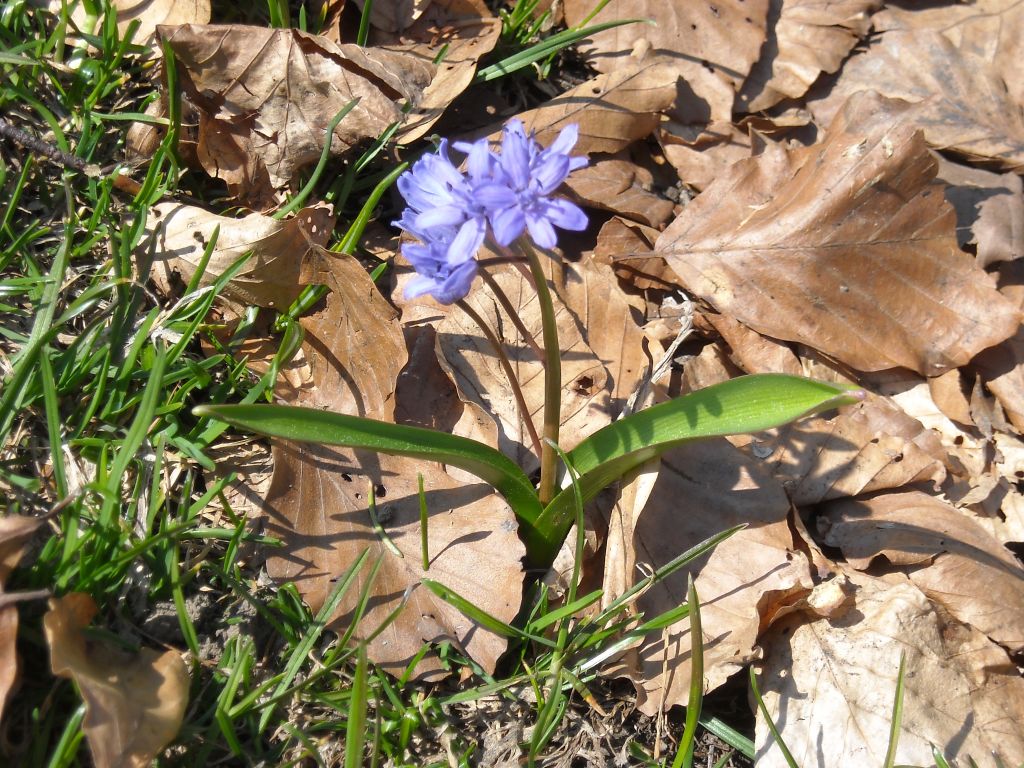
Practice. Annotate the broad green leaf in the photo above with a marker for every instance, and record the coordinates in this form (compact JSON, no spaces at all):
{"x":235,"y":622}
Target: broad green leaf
{"x":744,"y":404}
{"x":314,"y":426}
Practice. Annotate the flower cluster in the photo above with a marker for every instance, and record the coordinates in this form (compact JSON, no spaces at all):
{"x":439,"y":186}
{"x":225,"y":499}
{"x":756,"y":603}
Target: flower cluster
{"x":450,"y":212}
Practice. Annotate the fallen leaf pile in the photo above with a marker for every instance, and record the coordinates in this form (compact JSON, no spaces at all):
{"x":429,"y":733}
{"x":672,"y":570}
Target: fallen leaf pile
{"x":830,"y":190}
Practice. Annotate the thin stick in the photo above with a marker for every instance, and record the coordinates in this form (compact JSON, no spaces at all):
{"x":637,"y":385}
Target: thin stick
{"x":517,"y":321}
{"x":506,"y":365}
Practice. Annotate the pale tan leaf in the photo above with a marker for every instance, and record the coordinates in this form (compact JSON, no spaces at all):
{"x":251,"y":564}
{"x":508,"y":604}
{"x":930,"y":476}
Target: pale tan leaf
{"x":989,"y":210}
{"x":178,"y":235}
{"x":135,"y":702}
{"x":990,"y":29}
{"x":618,"y":185}
{"x":959,"y":565}
{"x":470,"y":360}
{"x":961,"y":103}
{"x":148,"y":13}
{"x":702,"y":489}
{"x":266,"y":96}
{"x":810,"y":37}
{"x":460,"y":32}
{"x":612,"y":110}
{"x":843,"y":247}
{"x":724,"y":36}
{"x":318,"y":505}
{"x":394,"y":15}
{"x":829,"y":685}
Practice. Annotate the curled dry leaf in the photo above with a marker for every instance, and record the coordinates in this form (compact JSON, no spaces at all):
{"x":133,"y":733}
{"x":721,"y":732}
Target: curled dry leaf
{"x":265,"y":98}
{"x":460,"y":32}
{"x":318,"y":501}
{"x":135,"y":702}
{"x":179,"y":234}
{"x":829,"y":684}
{"x":148,"y":13}
{"x":949,"y":556}
{"x":15,"y":531}
{"x":470,"y":360}
{"x":628,"y":247}
{"x":612,"y":110}
{"x":810,"y":37}
{"x":989,"y":210}
{"x":871,"y":446}
{"x":701,"y":152}
{"x":753,"y":352}
{"x":843,"y":247}
{"x":622,"y":187}
{"x":961,"y":103}
{"x":702,"y":489}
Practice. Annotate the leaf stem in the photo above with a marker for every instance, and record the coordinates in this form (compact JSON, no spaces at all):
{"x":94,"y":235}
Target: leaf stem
{"x":552,"y":373}
{"x":506,"y":365}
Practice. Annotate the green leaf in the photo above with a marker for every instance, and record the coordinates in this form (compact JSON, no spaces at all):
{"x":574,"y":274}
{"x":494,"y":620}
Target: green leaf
{"x":744,"y":404}
{"x":313,"y":426}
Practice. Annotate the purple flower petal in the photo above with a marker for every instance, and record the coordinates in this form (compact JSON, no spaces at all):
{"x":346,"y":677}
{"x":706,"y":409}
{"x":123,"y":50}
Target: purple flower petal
{"x":508,"y":224}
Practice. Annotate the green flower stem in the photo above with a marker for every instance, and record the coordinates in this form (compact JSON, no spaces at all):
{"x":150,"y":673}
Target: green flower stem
{"x":552,"y":373}
{"x":506,"y":366}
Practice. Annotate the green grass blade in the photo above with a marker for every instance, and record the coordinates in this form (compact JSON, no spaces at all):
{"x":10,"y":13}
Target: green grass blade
{"x":744,"y":404}
{"x":684,"y":757}
{"x":897,"y":714}
{"x":729,"y":735}
{"x":786,"y":754}
{"x":355,"y":729}
{"x":314,"y":426}
{"x":484,"y":619}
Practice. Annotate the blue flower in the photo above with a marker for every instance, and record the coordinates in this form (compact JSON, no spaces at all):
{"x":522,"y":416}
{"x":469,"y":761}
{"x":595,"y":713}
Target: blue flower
{"x":436,"y":274}
{"x":517,"y":194}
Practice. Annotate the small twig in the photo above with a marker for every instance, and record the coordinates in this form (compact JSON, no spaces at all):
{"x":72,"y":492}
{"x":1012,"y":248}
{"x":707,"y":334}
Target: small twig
{"x":11,"y":598}
{"x":506,"y":366}
{"x":65,"y":159}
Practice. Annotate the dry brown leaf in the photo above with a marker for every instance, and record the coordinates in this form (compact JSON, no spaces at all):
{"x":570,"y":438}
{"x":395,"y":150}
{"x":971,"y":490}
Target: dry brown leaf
{"x":989,"y":210}
{"x":829,"y":685}
{"x":753,"y":352}
{"x":961,"y":104}
{"x":843,"y":247}
{"x":135,"y":702}
{"x":15,"y":531}
{"x":869,"y":447}
{"x":461,"y":32}
{"x":266,"y":96}
{"x":629,"y":248}
{"x":622,"y":187}
{"x":178,"y":235}
{"x":810,"y":37}
{"x":469,"y":359}
{"x":318,"y":504}
{"x":702,"y":489}
{"x":960,"y":565}
{"x":612,"y":110}
{"x":947,"y":393}
{"x":702,"y":152}
{"x":318,"y":501}
{"x":724,"y":36}
{"x":990,"y":29}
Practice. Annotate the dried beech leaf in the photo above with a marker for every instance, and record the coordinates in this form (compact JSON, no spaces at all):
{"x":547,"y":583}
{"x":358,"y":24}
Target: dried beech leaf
{"x":628,"y":247}
{"x":179,"y":234}
{"x":961,"y":104}
{"x":701,"y":153}
{"x":461,"y":31}
{"x":990,"y":29}
{"x":149,"y":13}
{"x":622,"y":187}
{"x":15,"y":531}
{"x":753,"y":352}
{"x":470,"y":360}
{"x":989,"y":210}
{"x":266,"y":96}
{"x":135,"y":702}
{"x":810,"y":37}
{"x":724,"y":36}
{"x":869,"y":447}
{"x":318,"y":501}
{"x":962,"y":567}
{"x":810,"y":245}
{"x":829,"y":685}
{"x":702,"y":489}
{"x":318,"y":504}
{"x":612,"y":110}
